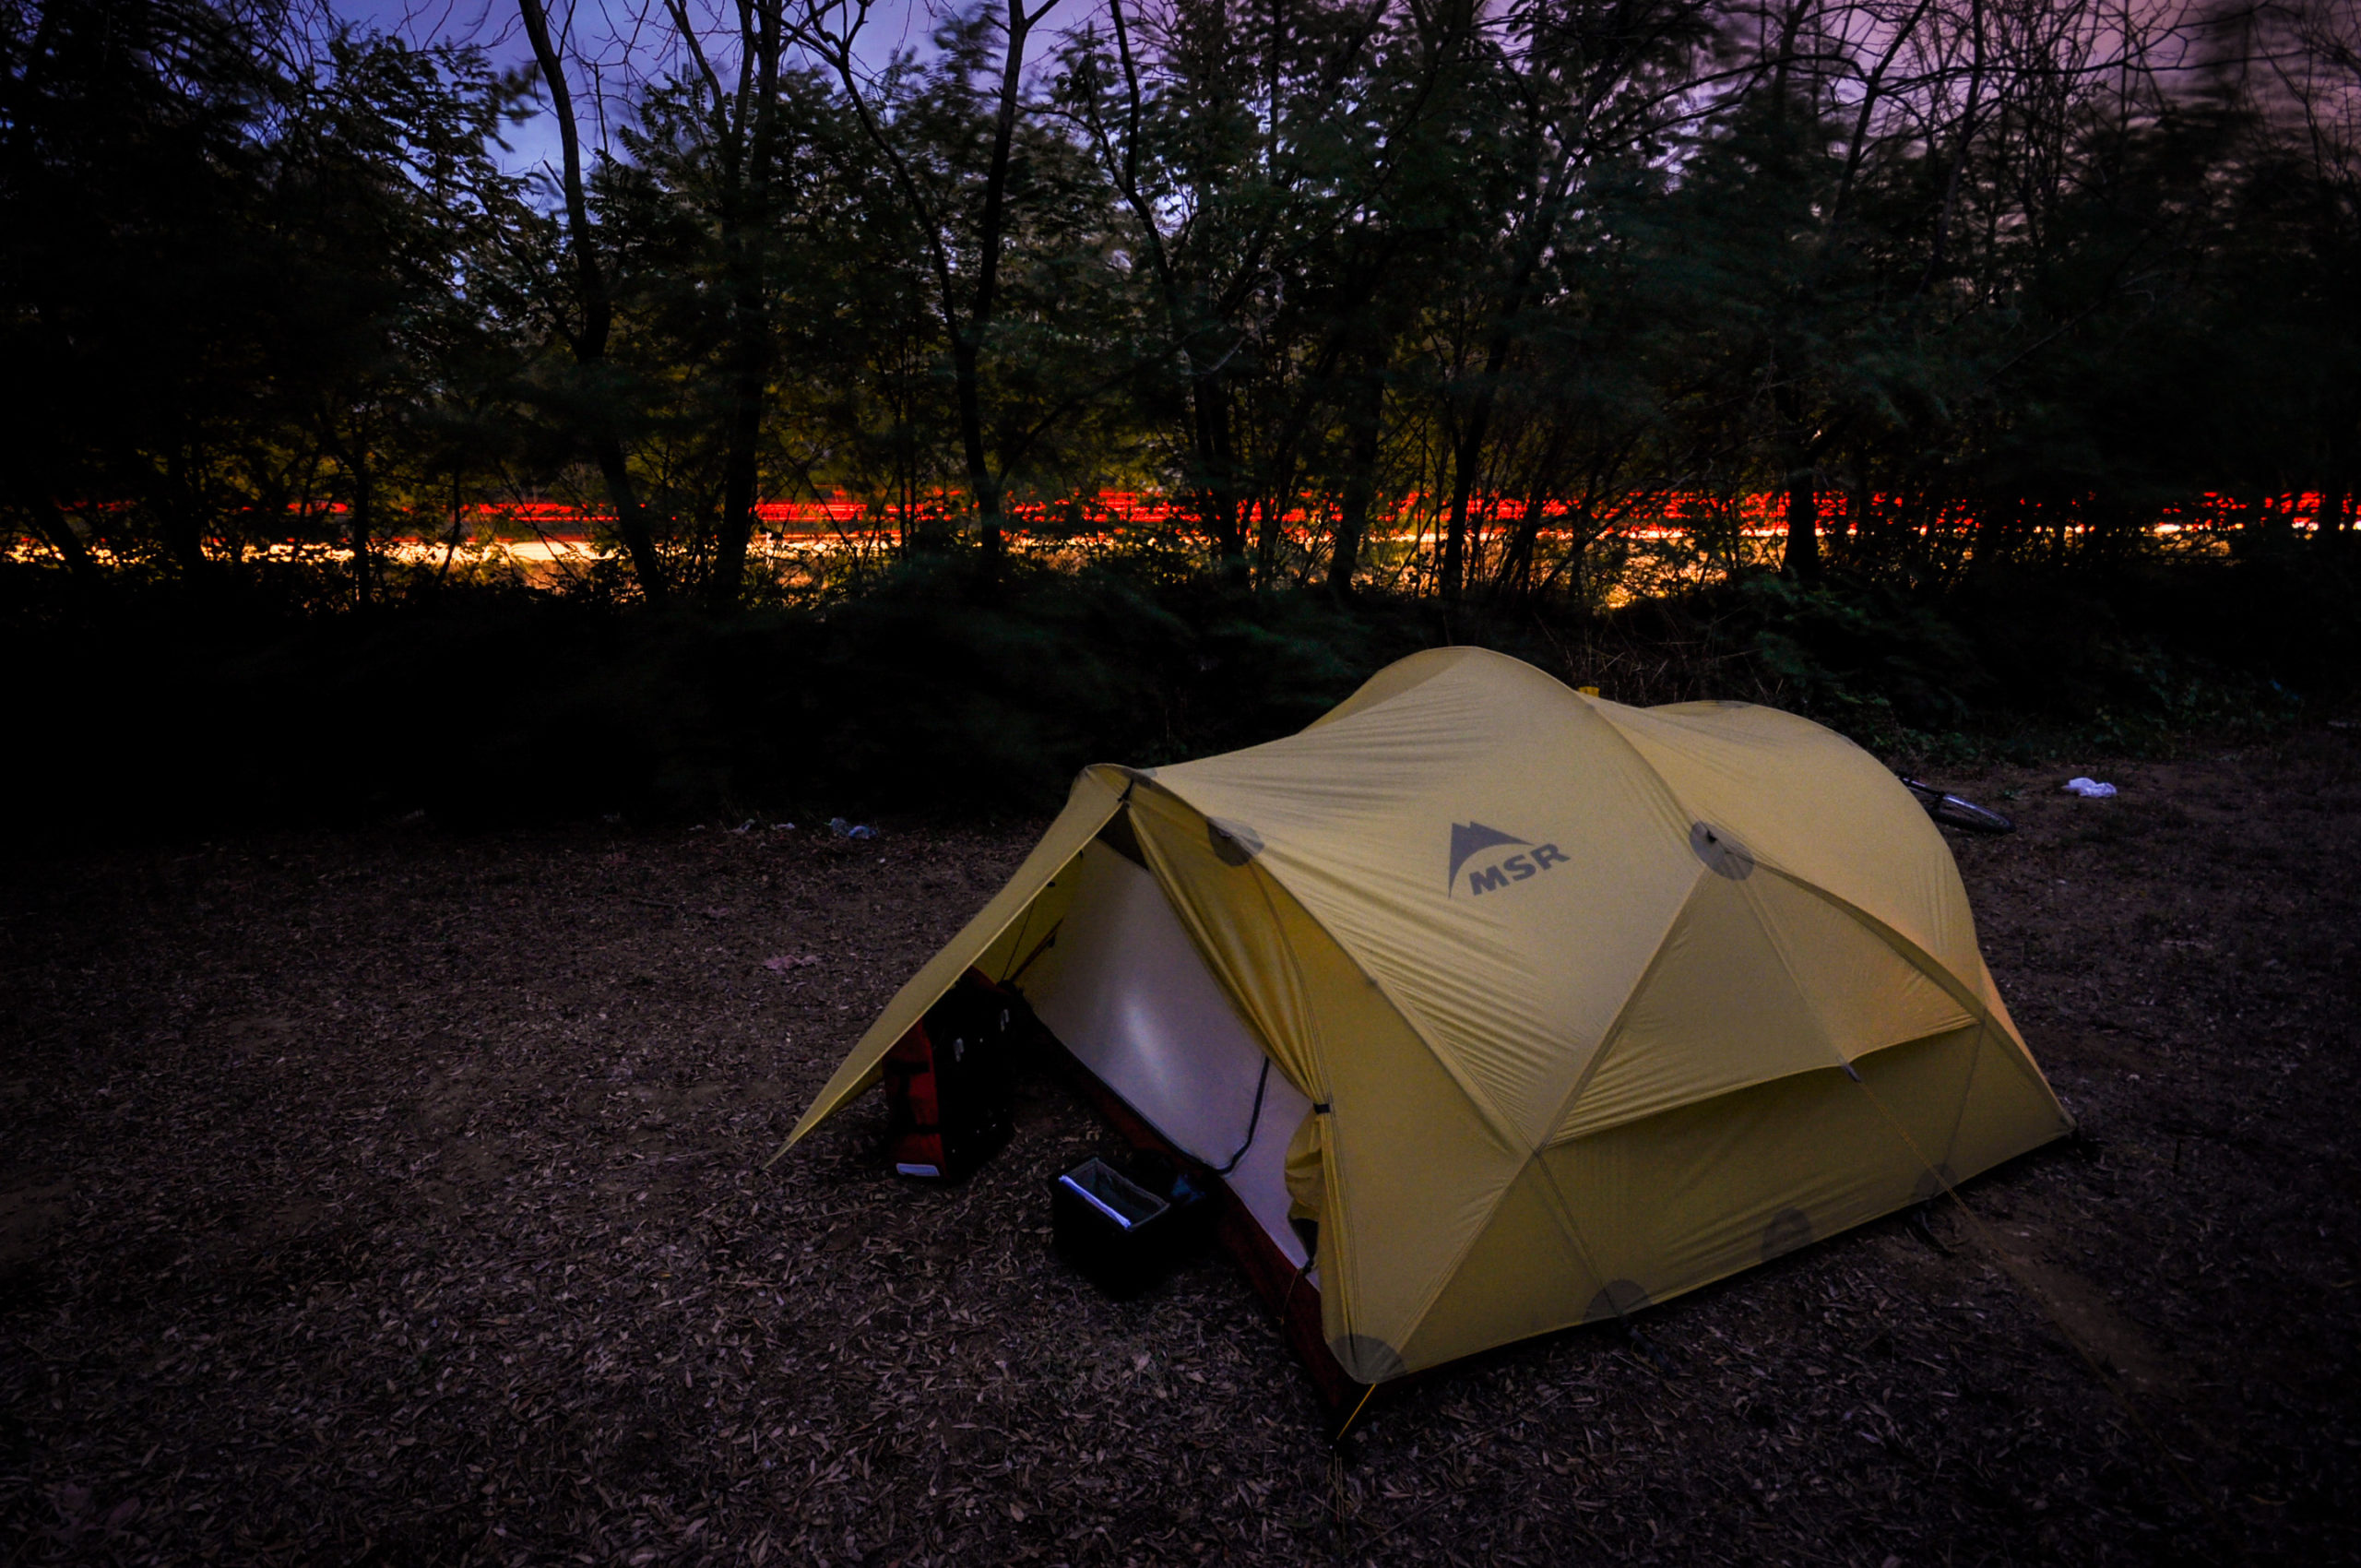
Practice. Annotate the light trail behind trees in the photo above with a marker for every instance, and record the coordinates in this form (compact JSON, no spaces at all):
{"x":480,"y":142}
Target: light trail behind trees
{"x":1926,"y":286}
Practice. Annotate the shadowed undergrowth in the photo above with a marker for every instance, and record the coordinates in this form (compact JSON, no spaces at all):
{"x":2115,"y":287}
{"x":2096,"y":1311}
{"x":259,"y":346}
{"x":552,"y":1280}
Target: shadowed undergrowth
{"x":939,"y":692}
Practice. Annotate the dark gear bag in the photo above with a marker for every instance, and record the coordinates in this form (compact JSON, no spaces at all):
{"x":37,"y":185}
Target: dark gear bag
{"x":950,"y":1080}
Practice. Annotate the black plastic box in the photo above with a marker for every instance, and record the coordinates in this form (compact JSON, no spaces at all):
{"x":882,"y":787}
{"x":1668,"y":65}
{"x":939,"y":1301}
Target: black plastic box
{"x":1121,"y":1231}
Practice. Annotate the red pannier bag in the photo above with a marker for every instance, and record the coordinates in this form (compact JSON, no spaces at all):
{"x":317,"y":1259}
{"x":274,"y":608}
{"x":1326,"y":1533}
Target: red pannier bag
{"x":949,"y":1083}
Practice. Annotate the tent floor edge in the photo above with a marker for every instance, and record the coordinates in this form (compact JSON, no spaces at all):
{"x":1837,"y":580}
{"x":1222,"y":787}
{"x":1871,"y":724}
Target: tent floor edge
{"x":1290,"y":1299}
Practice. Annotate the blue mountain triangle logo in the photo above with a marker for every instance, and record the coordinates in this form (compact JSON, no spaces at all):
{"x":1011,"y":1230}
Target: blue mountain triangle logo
{"x":1473,"y":839}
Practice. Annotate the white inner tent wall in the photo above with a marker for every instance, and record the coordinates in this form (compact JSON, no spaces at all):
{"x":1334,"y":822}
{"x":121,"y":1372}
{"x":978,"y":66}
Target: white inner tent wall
{"x":1126,"y":990}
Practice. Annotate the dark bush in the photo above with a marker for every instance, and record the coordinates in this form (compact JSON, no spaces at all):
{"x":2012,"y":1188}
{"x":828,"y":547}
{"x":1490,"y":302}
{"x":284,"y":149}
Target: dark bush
{"x":943,"y":691}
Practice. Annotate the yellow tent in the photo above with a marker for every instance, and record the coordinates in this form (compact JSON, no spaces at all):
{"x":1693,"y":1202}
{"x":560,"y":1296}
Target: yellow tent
{"x":1574,"y":1006}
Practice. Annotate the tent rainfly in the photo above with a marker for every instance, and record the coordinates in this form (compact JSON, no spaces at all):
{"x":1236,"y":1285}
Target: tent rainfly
{"x":1543,"y":1007}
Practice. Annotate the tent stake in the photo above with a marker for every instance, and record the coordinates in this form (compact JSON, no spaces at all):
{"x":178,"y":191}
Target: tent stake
{"x":1655,"y":1352}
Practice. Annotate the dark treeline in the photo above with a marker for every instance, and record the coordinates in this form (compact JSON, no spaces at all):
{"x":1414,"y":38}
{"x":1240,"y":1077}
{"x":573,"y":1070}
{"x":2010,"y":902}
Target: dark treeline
{"x":1953,"y":279}
{"x":1396,"y":302}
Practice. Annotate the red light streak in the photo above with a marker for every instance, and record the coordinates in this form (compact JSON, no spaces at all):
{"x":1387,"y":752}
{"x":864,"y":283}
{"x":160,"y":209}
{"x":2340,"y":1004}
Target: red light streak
{"x":1659,"y":515}
{"x":1648,"y":517}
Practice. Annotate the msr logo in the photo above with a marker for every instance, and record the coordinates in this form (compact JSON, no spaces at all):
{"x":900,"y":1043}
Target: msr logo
{"x":1470,"y":839}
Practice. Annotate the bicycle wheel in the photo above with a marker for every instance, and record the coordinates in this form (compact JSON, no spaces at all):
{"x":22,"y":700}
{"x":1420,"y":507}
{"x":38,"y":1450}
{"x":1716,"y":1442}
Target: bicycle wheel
{"x":1928,"y":794}
{"x":1953,"y":812}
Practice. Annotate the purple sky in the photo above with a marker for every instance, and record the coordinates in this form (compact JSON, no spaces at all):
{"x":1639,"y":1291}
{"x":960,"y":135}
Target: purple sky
{"x":614,"y":41}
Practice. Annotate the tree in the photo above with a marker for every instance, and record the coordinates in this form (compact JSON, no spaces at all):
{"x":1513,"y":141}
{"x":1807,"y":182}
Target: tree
{"x":961,"y":205}
{"x":131,"y":177}
{"x":234,"y":252}
{"x":1587,"y":86}
{"x":382,"y":193}
{"x":582,"y":307}
{"x":1279,"y":173}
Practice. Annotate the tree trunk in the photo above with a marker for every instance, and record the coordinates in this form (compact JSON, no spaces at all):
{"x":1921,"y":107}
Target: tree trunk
{"x":358,"y":532}
{"x":1797,"y":453}
{"x":1997,"y":528}
{"x":632,"y":522}
{"x":183,"y":536}
{"x":2267,"y":517}
{"x":1802,"y":561}
{"x":589,"y":340}
{"x":738,"y":475}
{"x":451,"y":544}
{"x":746,"y":218}
{"x":57,"y":529}
{"x":1469,"y":451}
{"x":1463,"y":454}
{"x":983,"y":485}
{"x":1516,"y":562}
{"x":990,"y":230}
{"x":1944,"y":214}
{"x":1365,"y":417}
{"x":1217,"y":478}
{"x":1278,"y":486}
{"x":1214,"y":493}
{"x":1516,"y":578}
{"x":1583,"y":531}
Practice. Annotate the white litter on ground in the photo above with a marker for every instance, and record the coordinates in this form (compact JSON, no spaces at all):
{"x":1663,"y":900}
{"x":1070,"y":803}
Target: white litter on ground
{"x":2090,"y":788}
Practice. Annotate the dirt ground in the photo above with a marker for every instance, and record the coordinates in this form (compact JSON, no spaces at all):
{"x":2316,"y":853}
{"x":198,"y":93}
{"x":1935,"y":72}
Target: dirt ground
{"x":397,"y":1197}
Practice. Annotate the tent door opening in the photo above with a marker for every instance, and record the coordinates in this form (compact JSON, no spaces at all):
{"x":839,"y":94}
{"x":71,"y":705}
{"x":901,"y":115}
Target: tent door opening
{"x":1126,"y":990}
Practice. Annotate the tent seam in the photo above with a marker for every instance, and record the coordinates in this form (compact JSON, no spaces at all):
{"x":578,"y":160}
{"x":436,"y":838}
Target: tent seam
{"x":1927,"y":965}
{"x":1481,"y":1103}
